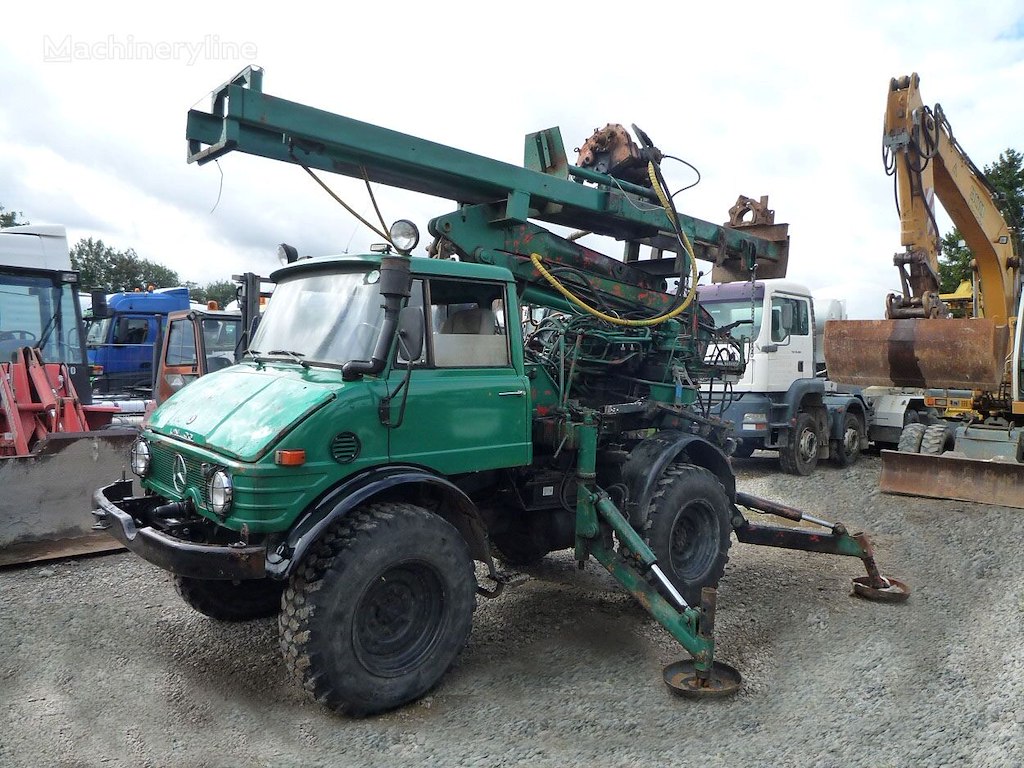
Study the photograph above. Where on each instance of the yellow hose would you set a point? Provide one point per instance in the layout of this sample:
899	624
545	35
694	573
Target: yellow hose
535	258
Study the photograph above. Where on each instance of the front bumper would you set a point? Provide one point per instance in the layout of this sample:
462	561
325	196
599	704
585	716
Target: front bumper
129	519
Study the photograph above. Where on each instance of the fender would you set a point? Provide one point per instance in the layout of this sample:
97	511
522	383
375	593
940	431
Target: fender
800	389
837	406
457	508
648	460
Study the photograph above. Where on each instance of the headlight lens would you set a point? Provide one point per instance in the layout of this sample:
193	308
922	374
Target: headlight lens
140	457
404	235
219	492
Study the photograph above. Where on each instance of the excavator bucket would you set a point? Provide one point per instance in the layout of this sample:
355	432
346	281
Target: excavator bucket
947	354
44	507
952	476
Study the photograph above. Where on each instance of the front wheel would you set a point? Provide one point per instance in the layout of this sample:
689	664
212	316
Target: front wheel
847	450
231	600
688	528
799	456
373	618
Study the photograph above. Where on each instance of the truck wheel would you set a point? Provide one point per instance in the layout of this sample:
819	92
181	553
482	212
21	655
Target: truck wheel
376	614
800	454
847	450
934	439
910	438
231	600
688	528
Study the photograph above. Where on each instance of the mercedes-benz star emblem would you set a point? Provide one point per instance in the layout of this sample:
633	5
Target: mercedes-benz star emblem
180	475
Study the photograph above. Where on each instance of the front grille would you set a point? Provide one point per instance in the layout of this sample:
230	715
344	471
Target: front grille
162	469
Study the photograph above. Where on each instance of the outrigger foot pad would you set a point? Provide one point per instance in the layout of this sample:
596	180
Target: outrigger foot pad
682	679
889	591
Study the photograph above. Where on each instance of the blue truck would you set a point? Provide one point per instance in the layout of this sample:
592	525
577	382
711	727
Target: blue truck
123	334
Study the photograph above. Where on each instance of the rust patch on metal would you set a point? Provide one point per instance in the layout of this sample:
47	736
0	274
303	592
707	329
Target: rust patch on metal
947	476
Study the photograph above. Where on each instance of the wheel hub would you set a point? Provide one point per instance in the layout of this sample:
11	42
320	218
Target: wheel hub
808	445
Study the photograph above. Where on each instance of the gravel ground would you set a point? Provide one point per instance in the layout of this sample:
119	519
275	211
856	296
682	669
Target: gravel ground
102	665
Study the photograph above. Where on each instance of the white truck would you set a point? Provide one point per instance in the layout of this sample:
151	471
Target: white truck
784	401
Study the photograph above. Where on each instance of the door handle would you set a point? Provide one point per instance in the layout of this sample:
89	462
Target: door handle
513	393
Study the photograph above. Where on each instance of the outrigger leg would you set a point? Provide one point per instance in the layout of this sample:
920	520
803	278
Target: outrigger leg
838	541
635	567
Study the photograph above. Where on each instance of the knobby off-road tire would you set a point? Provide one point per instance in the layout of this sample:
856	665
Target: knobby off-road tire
910	438
934	439
800	454
377	613
688	528
231	600
847	450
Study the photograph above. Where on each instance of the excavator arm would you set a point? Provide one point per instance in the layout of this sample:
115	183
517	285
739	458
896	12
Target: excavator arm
928	163
917	345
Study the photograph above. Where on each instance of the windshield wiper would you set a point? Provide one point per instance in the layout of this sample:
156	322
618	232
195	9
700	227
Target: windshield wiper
295	356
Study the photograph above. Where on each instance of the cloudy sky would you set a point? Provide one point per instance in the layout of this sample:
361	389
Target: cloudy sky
783	99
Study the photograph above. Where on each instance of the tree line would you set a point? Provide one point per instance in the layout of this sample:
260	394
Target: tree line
104	268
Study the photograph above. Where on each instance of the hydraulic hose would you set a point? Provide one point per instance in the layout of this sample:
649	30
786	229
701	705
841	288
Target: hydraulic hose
535	258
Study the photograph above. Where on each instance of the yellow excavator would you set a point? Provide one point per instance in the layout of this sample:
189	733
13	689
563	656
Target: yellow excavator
919	344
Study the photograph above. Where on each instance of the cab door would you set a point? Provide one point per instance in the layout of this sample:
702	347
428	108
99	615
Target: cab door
468	405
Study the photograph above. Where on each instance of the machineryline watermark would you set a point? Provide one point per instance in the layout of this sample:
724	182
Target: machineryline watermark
128	48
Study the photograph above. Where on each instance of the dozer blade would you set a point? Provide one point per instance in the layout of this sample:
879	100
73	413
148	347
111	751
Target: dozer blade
46	497
952	476
947	354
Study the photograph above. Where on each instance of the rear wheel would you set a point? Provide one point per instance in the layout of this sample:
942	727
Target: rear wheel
800	455
847	450
910	438
688	528
934	439
376	614
231	600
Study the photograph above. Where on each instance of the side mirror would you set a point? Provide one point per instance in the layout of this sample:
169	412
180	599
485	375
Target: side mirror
787	318
100	309
410	333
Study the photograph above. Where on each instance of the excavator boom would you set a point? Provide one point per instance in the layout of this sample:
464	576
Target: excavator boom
919	345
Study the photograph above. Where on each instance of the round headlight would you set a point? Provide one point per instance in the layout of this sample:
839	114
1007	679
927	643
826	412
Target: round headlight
140	457
404	235
219	492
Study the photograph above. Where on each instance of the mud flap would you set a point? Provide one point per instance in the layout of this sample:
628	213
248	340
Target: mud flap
46	500
952	476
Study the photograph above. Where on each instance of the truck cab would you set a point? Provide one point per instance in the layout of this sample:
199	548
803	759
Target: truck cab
39	302
121	342
195	343
783	401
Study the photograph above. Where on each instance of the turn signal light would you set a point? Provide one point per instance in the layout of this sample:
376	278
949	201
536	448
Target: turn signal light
291	458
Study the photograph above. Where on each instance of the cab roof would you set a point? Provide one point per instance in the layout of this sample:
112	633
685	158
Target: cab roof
421	267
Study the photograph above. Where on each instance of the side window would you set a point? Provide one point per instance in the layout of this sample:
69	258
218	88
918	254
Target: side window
181	344
219	335
131	330
798	312
466	324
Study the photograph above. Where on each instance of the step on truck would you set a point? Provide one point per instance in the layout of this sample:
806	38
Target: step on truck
398	417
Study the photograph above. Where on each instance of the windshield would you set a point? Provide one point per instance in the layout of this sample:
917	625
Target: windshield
728	312
37	312
322	317
96	332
